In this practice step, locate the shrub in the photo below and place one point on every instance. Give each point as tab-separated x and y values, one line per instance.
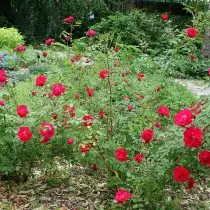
10	38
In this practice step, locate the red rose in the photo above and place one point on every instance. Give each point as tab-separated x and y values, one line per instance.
183	118
41	80
91	33
190	184
208	71
44	54
193	137
20	48
192	57
130	108
103	74
24	134
88	120
181	174
85	148
116	49
69	19
164	16
47	131
76	96
101	114
121	154
71	110
70	141
58	89
147	135
49	41
192	32
140	76
164	111
122	196
67	38
3	78
34	93
158	89
22	111
54	116
138	158
204	158
157	124
90	92
94	167
2	103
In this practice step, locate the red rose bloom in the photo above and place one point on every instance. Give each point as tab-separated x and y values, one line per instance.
164	16
190	183
121	154
157	125
94	167
192	57
22	111
122	196
138	158
3	78
85	148
44	54
116	49
58	89
47	131
71	110
69	19
164	111
67	38
70	141
183	118
101	114
204	158
49	41
34	93
103	74
140	76
91	33
147	135
88	120
24	134
76	96
2	103
130	108
193	137
181	174
20	48
90	92
192	32
158	89
41	80
208	71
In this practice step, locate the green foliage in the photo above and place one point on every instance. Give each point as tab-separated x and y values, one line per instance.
10	38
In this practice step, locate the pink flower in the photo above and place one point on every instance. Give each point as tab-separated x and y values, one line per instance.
164	111
20	48
44	54
138	158
192	32
41	80
122	196
181	174
69	19
88	120
70	141
103	74
121	154
101	114
24	134
91	33
147	135
90	92
209	72
58	89
130	108
2	103
164	16
22	111
49	41
183	118
47	131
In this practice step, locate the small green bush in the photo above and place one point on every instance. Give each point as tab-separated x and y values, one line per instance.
10	38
